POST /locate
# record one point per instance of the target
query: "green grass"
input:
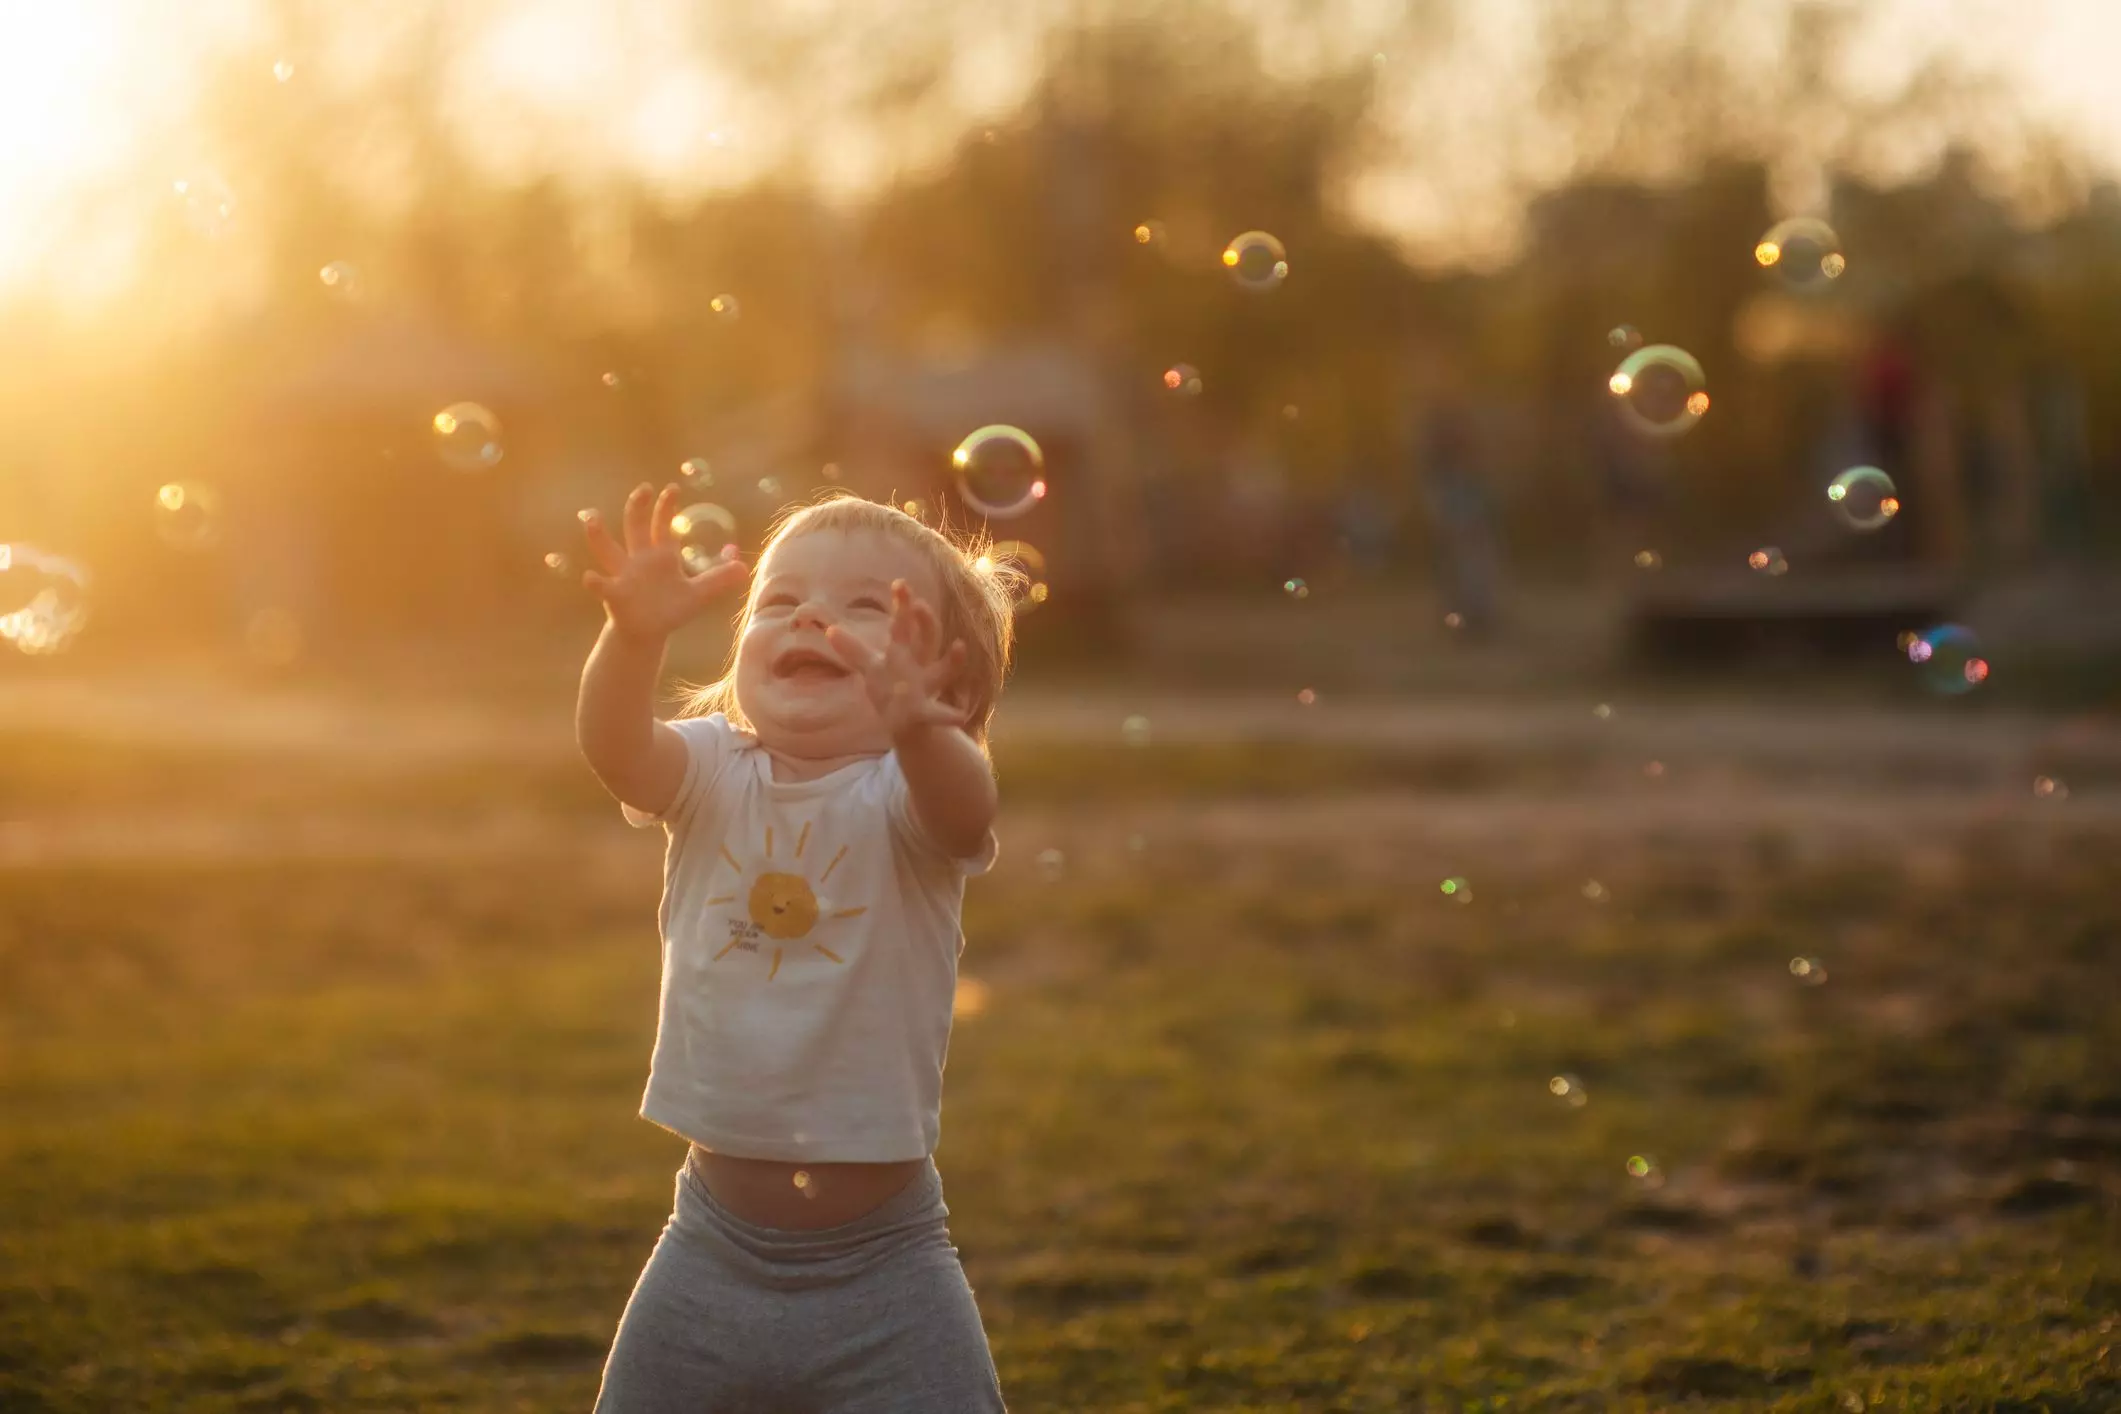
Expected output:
(1243, 1126)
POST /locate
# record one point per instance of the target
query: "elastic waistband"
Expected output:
(820, 1253)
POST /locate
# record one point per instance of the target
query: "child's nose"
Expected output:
(811, 614)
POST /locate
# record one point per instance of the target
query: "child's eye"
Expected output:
(869, 601)
(777, 601)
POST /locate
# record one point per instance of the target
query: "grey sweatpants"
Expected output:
(874, 1315)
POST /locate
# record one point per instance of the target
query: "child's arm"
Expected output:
(949, 784)
(948, 781)
(647, 593)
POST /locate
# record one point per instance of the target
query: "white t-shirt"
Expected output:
(810, 944)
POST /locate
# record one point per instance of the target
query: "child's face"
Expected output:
(799, 695)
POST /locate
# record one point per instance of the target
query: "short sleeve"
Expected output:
(907, 826)
(709, 743)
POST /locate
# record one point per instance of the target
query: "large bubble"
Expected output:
(188, 516)
(1949, 659)
(43, 599)
(468, 437)
(1661, 390)
(703, 530)
(1001, 473)
(1803, 252)
(1863, 498)
(1256, 260)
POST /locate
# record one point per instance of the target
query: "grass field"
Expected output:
(335, 1109)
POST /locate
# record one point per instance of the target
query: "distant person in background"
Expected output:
(1468, 553)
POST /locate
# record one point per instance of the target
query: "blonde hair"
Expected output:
(978, 598)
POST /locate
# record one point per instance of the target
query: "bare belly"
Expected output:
(804, 1197)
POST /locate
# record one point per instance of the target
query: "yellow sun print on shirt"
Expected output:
(781, 907)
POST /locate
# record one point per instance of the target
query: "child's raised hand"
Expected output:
(647, 591)
(908, 678)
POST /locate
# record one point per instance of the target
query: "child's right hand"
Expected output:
(647, 591)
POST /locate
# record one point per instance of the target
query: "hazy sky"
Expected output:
(94, 93)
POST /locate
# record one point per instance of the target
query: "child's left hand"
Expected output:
(907, 680)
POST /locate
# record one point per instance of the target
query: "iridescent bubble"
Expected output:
(1660, 388)
(805, 1184)
(188, 516)
(1052, 864)
(1306, 698)
(725, 308)
(1000, 471)
(696, 472)
(43, 599)
(1804, 252)
(1640, 1166)
(2049, 788)
(559, 565)
(206, 202)
(916, 508)
(468, 437)
(1648, 560)
(705, 533)
(1808, 970)
(273, 637)
(1457, 889)
(1454, 621)
(1135, 731)
(1863, 498)
(1257, 260)
(1768, 560)
(1149, 233)
(1029, 580)
(1296, 589)
(769, 486)
(342, 279)
(1624, 337)
(1569, 1090)
(610, 378)
(1949, 660)
(1183, 379)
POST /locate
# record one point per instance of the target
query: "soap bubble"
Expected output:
(1661, 390)
(188, 516)
(1768, 560)
(725, 308)
(1594, 891)
(1640, 1166)
(1149, 233)
(1306, 698)
(1624, 337)
(282, 70)
(1457, 889)
(43, 599)
(559, 565)
(696, 473)
(1603, 711)
(705, 533)
(1648, 560)
(1183, 379)
(1296, 589)
(1863, 498)
(2049, 788)
(1257, 260)
(1135, 731)
(1803, 251)
(206, 202)
(770, 487)
(468, 436)
(341, 278)
(1030, 589)
(1052, 864)
(1001, 473)
(1569, 1090)
(1949, 659)
(610, 378)
(1808, 970)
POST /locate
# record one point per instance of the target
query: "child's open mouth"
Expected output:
(807, 665)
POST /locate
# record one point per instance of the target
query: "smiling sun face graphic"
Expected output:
(781, 907)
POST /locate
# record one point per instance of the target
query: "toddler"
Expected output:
(824, 803)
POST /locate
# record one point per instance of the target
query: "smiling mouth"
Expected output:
(805, 664)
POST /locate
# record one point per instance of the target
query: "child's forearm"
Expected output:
(614, 715)
(951, 786)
